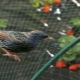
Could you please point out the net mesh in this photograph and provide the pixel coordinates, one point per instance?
(21, 16)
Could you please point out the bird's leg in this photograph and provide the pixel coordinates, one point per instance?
(10, 54)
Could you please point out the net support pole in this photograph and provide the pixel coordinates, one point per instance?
(52, 60)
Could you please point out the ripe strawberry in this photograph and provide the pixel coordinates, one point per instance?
(69, 32)
(60, 64)
(46, 9)
(78, 65)
(57, 2)
(73, 67)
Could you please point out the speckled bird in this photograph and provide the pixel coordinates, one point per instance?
(12, 42)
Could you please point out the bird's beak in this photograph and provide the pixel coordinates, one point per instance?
(51, 38)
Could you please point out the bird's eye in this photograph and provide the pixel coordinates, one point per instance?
(45, 36)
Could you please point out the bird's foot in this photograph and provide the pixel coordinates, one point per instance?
(12, 56)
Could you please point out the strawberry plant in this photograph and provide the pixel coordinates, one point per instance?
(76, 25)
(71, 54)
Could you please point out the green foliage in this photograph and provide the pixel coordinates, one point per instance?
(36, 3)
(73, 52)
(65, 40)
(50, 1)
(76, 21)
(3, 23)
(69, 57)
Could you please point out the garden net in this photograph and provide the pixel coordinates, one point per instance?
(28, 15)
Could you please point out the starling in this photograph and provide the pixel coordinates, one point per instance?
(12, 42)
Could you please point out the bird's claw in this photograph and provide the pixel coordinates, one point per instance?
(12, 56)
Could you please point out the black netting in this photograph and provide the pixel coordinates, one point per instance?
(20, 15)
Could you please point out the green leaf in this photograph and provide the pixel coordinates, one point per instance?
(41, 3)
(76, 48)
(35, 3)
(69, 52)
(65, 40)
(50, 1)
(76, 21)
(70, 57)
(73, 52)
(62, 45)
(3, 23)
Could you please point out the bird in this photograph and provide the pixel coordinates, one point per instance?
(12, 42)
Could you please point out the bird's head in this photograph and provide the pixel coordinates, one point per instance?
(40, 35)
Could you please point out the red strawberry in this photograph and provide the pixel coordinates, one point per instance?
(69, 32)
(78, 65)
(57, 2)
(60, 64)
(73, 67)
(46, 9)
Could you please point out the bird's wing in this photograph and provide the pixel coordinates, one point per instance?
(13, 36)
